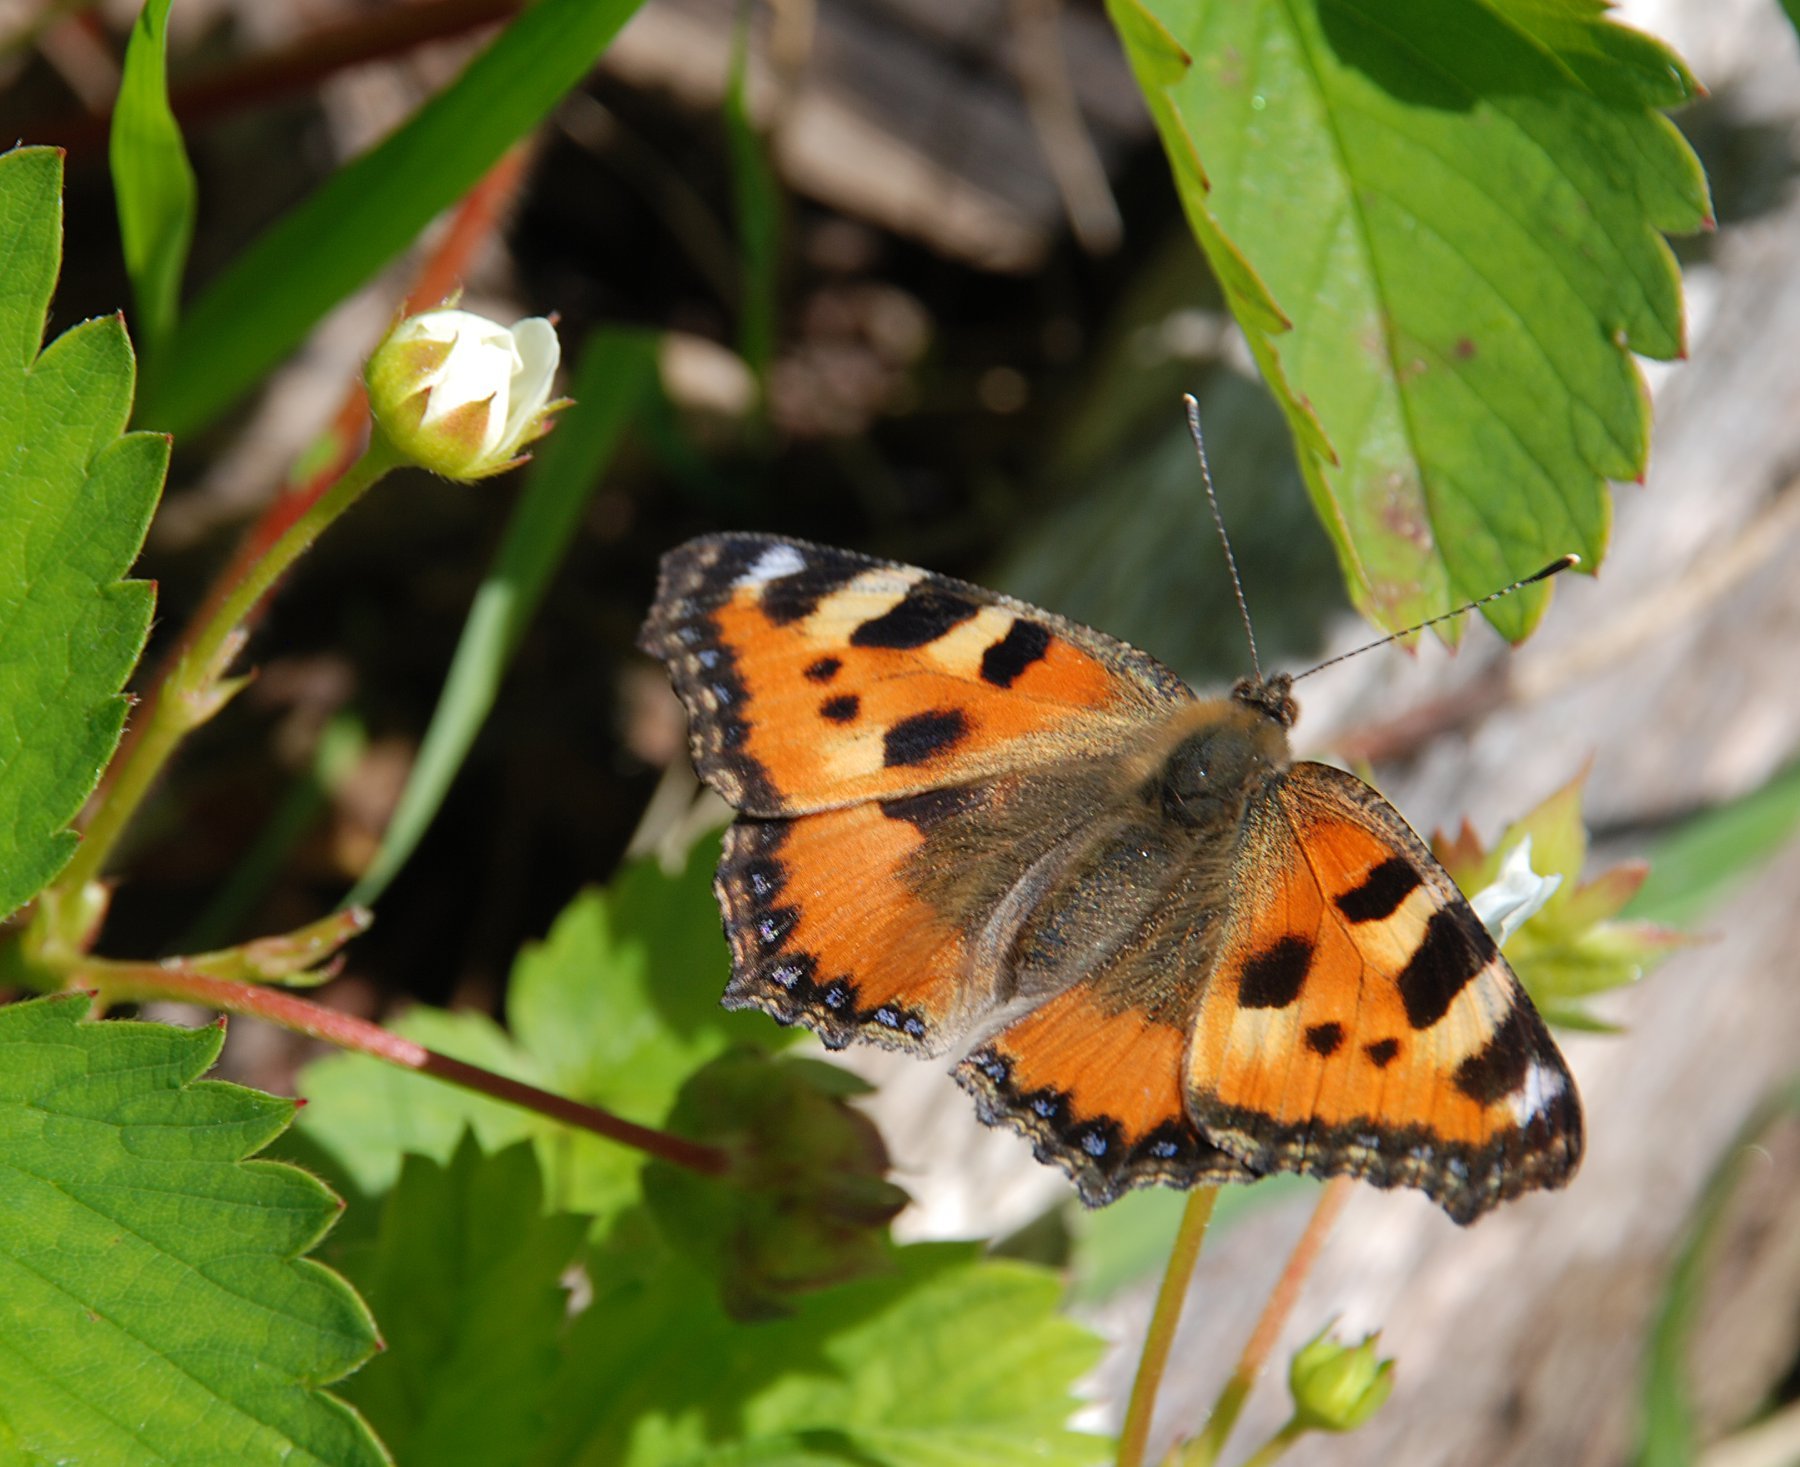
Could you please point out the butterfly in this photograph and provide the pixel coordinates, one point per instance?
(1147, 937)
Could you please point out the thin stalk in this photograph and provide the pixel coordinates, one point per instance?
(1134, 1435)
(195, 687)
(119, 982)
(1204, 1449)
(1277, 1445)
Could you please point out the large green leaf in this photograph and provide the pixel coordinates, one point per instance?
(617, 368)
(154, 1304)
(153, 182)
(465, 1279)
(75, 500)
(617, 1007)
(952, 1359)
(370, 210)
(1459, 205)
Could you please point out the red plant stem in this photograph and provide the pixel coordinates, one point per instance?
(128, 981)
(1205, 1448)
(474, 220)
(300, 65)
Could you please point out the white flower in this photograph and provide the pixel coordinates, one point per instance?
(1515, 896)
(459, 394)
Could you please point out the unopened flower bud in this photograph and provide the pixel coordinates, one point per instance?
(1338, 1387)
(459, 394)
(1515, 896)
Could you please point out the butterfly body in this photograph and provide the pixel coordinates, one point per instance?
(1147, 938)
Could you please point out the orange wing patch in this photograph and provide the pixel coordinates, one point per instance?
(816, 678)
(1361, 1020)
(1097, 1088)
(826, 932)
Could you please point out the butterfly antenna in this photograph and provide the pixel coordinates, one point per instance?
(1556, 567)
(1212, 501)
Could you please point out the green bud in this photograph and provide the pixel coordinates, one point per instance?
(1338, 1387)
(459, 394)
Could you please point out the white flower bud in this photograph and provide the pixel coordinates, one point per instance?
(461, 395)
(1515, 896)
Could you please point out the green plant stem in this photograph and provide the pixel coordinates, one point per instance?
(1134, 1435)
(1276, 1445)
(118, 982)
(195, 688)
(1204, 1449)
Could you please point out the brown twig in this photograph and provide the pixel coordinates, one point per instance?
(122, 981)
(300, 65)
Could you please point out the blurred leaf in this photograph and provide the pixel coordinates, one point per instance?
(368, 211)
(154, 1303)
(1667, 1435)
(951, 1359)
(806, 1203)
(153, 182)
(1697, 864)
(465, 1279)
(617, 369)
(756, 193)
(1460, 207)
(75, 500)
(617, 1007)
(1573, 947)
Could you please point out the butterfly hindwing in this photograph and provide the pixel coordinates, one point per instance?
(816, 678)
(1361, 1019)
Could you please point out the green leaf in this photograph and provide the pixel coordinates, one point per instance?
(617, 369)
(617, 1007)
(464, 1277)
(75, 501)
(756, 197)
(1667, 1435)
(153, 182)
(1697, 864)
(371, 209)
(1459, 205)
(951, 1359)
(154, 1304)
(806, 1203)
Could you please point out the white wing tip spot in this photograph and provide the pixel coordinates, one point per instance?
(774, 563)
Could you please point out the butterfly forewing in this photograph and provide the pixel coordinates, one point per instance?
(816, 678)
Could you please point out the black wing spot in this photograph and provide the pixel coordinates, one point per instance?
(841, 709)
(824, 670)
(930, 808)
(1324, 1039)
(1382, 891)
(925, 613)
(1381, 1053)
(1272, 978)
(1498, 1067)
(795, 597)
(1455, 949)
(924, 736)
(1025, 642)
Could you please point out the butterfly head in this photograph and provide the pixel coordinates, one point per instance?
(1272, 696)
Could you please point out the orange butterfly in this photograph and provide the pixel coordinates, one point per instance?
(1156, 945)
